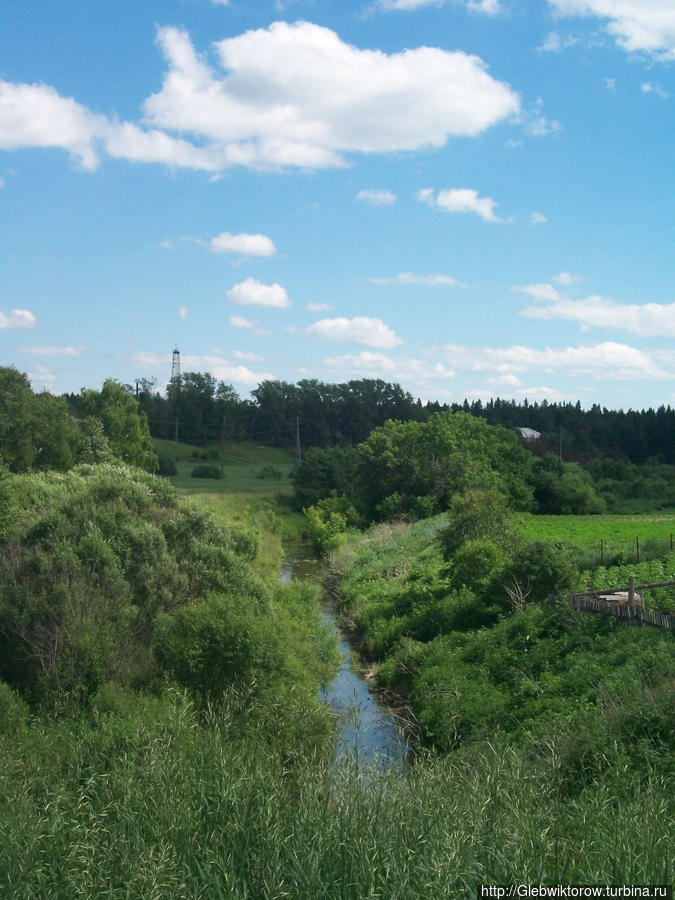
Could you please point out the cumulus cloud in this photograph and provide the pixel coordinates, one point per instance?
(646, 320)
(360, 330)
(289, 95)
(606, 361)
(541, 291)
(298, 95)
(252, 292)
(242, 244)
(35, 115)
(461, 200)
(369, 364)
(538, 218)
(420, 280)
(637, 25)
(220, 367)
(17, 318)
(566, 278)
(376, 198)
(241, 322)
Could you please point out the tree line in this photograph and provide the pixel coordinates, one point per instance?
(197, 408)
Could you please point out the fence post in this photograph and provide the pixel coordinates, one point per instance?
(631, 590)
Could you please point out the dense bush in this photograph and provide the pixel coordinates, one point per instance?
(90, 558)
(207, 470)
(166, 465)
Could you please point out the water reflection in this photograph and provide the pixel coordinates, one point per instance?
(367, 730)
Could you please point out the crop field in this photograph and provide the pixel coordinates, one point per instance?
(586, 531)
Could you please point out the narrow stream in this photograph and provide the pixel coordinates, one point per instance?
(367, 731)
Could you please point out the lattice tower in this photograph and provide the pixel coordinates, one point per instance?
(175, 364)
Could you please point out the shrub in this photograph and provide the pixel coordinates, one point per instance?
(269, 473)
(167, 465)
(477, 514)
(206, 470)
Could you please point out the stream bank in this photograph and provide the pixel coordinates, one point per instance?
(367, 730)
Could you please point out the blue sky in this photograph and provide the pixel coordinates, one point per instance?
(473, 198)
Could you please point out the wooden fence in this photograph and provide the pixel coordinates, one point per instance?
(628, 604)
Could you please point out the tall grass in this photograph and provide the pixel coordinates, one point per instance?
(163, 804)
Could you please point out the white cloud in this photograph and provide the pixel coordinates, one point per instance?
(486, 7)
(607, 361)
(126, 140)
(554, 42)
(610, 84)
(243, 244)
(647, 320)
(648, 87)
(318, 307)
(220, 2)
(34, 115)
(538, 218)
(289, 95)
(376, 198)
(420, 280)
(17, 318)
(55, 351)
(566, 278)
(360, 330)
(637, 25)
(540, 291)
(461, 200)
(40, 376)
(241, 322)
(298, 95)
(248, 356)
(377, 365)
(182, 312)
(252, 292)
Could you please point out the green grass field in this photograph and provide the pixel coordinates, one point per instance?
(588, 530)
(242, 469)
(242, 497)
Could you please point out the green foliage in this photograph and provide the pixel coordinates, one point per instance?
(161, 799)
(270, 472)
(166, 465)
(564, 488)
(13, 712)
(36, 431)
(124, 424)
(476, 564)
(94, 447)
(327, 522)
(539, 568)
(218, 642)
(474, 515)
(207, 470)
(452, 453)
(323, 472)
(91, 557)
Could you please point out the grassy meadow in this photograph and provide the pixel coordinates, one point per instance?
(545, 739)
(587, 531)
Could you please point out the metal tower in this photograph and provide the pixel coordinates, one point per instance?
(175, 364)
